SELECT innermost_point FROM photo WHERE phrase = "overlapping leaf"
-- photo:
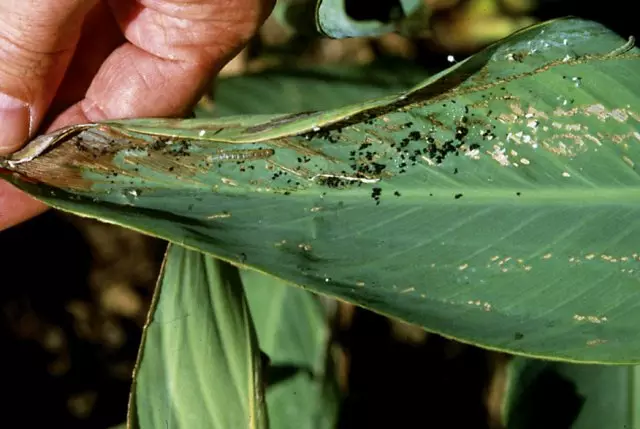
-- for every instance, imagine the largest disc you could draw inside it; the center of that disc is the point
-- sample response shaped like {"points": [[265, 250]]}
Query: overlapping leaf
{"points": [[571, 396], [199, 365], [292, 329], [497, 202]]}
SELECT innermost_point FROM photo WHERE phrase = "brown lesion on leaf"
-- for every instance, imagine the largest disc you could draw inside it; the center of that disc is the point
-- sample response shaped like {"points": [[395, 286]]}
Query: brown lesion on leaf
{"points": [[622, 138], [62, 166], [70, 163], [279, 121], [298, 145], [566, 144]]}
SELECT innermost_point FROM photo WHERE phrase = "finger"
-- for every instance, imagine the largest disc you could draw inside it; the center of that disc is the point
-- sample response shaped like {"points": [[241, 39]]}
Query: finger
{"points": [[100, 36], [37, 40], [174, 49]]}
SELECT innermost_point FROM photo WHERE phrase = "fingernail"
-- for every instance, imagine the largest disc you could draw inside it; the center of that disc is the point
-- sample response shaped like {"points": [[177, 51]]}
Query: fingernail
{"points": [[14, 123]]}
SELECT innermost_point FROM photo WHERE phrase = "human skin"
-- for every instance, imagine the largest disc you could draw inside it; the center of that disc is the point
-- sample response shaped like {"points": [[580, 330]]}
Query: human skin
{"points": [[64, 62]]}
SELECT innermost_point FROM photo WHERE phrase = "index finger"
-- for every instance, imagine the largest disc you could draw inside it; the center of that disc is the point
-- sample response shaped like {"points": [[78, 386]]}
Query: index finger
{"points": [[174, 49]]}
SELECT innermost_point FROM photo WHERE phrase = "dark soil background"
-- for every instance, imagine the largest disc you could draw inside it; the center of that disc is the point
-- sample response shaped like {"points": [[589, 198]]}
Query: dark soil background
{"points": [[74, 292]]}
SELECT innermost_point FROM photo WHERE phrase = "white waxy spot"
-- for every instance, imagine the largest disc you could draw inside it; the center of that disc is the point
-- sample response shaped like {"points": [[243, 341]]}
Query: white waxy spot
{"points": [[567, 58], [473, 154], [595, 108], [202, 133], [565, 174], [451, 59], [619, 115], [499, 155], [316, 128], [524, 161], [229, 182]]}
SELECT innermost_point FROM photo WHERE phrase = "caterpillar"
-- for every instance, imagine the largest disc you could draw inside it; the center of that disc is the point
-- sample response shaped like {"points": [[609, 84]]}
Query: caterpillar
{"points": [[241, 155]]}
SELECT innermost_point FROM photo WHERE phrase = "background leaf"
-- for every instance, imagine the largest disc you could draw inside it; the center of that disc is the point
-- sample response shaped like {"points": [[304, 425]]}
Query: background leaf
{"points": [[570, 396], [291, 324], [303, 402], [293, 330], [340, 19], [199, 364], [319, 88], [495, 202]]}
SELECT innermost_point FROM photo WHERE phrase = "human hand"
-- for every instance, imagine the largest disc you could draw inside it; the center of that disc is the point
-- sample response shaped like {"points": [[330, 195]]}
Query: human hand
{"points": [[64, 62]]}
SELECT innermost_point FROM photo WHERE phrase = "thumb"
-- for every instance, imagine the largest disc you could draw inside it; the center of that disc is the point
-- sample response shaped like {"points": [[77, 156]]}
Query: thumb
{"points": [[37, 41]]}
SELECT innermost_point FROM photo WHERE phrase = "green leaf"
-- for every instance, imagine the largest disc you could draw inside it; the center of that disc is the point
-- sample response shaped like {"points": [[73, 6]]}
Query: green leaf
{"points": [[293, 330], [334, 18], [303, 402], [199, 363], [300, 90], [496, 202], [291, 323], [560, 395], [358, 18]]}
